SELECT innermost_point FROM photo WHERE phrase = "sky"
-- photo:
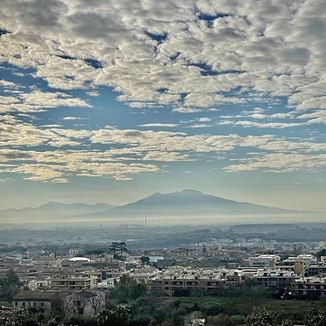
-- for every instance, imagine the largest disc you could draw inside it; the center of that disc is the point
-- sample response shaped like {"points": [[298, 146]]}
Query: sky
{"points": [[114, 100]]}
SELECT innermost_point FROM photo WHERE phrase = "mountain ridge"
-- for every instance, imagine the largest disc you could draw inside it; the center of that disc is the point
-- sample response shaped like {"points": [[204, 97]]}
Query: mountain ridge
{"points": [[187, 203]]}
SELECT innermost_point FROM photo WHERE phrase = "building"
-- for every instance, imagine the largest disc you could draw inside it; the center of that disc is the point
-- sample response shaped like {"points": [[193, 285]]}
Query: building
{"points": [[36, 299], [275, 278], [73, 282], [264, 261], [314, 270], [178, 280], [83, 303], [312, 288], [306, 259]]}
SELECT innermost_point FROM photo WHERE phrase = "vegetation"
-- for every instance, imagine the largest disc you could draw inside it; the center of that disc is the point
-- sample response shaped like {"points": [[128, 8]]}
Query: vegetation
{"points": [[117, 249], [132, 304], [9, 286]]}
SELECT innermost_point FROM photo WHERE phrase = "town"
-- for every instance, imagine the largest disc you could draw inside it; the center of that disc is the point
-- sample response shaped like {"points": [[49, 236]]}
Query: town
{"points": [[82, 280]]}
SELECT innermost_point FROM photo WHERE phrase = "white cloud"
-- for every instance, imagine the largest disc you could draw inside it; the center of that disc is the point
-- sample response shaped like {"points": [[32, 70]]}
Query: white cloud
{"points": [[279, 162], [7, 84], [268, 48], [74, 118], [131, 151], [93, 93], [168, 125], [204, 119], [163, 55], [250, 124]]}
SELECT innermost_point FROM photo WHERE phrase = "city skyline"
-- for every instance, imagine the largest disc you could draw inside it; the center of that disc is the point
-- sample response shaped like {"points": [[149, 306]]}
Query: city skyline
{"points": [[115, 101]]}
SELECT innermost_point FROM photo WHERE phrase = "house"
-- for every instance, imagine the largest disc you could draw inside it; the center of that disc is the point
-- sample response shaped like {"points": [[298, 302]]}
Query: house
{"points": [[36, 299], [83, 303]]}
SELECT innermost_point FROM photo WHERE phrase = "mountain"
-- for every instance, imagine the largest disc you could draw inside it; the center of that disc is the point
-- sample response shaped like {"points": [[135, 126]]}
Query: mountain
{"points": [[52, 210], [177, 206], [188, 203]]}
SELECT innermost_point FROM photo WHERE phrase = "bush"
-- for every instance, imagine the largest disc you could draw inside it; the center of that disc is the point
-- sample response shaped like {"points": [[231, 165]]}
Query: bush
{"points": [[214, 310]]}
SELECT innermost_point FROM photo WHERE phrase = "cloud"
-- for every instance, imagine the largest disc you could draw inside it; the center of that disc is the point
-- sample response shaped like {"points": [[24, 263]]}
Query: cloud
{"points": [[204, 119], [38, 101], [250, 124], [93, 93], [195, 126], [8, 84], [129, 151], [168, 125], [246, 65], [171, 53], [279, 163], [74, 118]]}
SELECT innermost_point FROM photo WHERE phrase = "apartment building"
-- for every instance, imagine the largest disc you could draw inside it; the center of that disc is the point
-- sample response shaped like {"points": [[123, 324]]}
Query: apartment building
{"points": [[275, 278], [175, 280], [73, 282], [313, 288]]}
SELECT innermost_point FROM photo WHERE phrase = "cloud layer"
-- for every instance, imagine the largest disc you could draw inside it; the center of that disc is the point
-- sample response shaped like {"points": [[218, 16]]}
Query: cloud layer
{"points": [[250, 65], [188, 54]]}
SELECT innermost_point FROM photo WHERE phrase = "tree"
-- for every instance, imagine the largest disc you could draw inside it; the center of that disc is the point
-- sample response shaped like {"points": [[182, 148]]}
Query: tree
{"points": [[143, 320], [320, 253], [9, 286], [117, 249], [127, 289], [144, 260], [122, 247], [267, 318], [113, 249], [40, 318], [117, 316], [16, 318], [315, 318], [97, 302]]}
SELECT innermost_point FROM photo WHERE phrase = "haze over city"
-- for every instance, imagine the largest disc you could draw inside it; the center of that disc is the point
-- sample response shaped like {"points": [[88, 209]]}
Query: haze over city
{"points": [[115, 101]]}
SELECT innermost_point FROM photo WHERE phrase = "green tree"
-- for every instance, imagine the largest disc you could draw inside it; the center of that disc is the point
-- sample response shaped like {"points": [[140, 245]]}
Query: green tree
{"points": [[144, 260], [9, 286], [117, 316], [315, 318], [40, 318], [16, 318], [320, 253], [122, 247], [113, 249], [143, 320], [128, 289], [267, 318], [117, 249]]}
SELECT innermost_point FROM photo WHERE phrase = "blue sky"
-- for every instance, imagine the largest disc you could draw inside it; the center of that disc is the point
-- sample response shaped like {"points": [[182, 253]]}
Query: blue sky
{"points": [[112, 101]]}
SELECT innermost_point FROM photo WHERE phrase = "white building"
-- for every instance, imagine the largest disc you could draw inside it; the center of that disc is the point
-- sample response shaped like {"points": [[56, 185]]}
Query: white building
{"points": [[263, 261]]}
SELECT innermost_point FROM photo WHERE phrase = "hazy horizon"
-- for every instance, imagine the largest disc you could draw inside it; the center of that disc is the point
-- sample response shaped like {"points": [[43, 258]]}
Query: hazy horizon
{"points": [[188, 207], [113, 102]]}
